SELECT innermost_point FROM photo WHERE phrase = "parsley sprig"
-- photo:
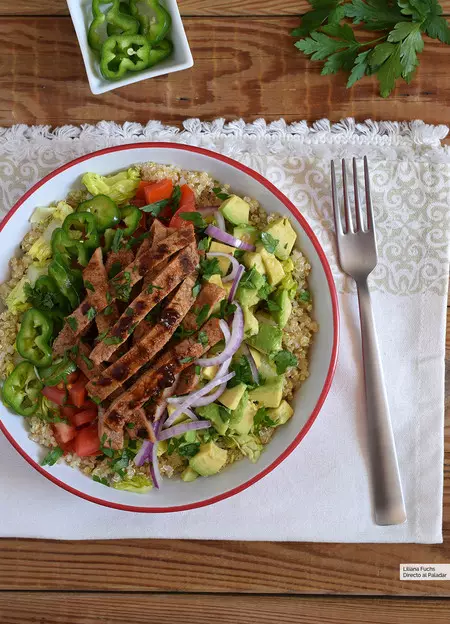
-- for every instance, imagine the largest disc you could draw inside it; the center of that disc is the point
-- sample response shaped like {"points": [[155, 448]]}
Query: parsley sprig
{"points": [[392, 54]]}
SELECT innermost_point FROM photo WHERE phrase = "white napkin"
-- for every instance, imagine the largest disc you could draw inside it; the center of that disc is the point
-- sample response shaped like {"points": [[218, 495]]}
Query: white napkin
{"points": [[321, 492]]}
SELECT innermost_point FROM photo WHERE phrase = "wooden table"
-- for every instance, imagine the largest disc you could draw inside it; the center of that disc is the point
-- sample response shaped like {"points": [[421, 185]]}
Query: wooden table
{"points": [[245, 65]]}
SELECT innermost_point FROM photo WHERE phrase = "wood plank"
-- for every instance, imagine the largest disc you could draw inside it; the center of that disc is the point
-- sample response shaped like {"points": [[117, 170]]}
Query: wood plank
{"points": [[245, 67], [46, 608], [218, 567], [187, 7]]}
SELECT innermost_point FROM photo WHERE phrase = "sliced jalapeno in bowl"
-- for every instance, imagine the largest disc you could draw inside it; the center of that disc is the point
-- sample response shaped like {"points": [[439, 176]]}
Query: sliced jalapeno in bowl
{"points": [[69, 281], [131, 216], [104, 210], [70, 249], [58, 372], [22, 389], [81, 227]]}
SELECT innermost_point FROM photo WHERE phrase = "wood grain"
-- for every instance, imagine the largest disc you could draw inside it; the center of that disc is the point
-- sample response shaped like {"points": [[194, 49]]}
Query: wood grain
{"points": [[220, 567], [245, 67], [187, 7], [95, 608]]}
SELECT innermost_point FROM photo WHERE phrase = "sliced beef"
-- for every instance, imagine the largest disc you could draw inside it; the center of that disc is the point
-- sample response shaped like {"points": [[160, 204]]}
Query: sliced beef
{"points": [[210, 295], [151, 384], [150, 344], [188, 381], [164, 283]]}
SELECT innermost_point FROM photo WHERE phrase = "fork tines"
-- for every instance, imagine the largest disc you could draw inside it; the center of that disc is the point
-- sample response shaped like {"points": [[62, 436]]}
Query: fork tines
{"points": [[357, 224]]}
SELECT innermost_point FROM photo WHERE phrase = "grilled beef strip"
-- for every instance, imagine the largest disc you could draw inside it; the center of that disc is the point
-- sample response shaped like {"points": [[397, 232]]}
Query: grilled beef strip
{"points": [[182, 265], [134, 272], [188, 381], [162, 375], [209, 295], [150, 344]]}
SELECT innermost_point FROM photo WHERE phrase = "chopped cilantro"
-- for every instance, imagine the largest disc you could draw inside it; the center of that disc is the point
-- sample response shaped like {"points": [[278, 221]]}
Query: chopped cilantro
{"points": [[181, 333], [203, 338], [175, 198], [265, 290], [155, 208], [108, 296], [220, 193], [129, 312], [112, 340], [186, 360], [243, 373], [239, 254], [88, 285], [101, 480], [130, 425], [262, 419], [89, 363], [52, 457], [116, 242], [188, 450], [74, 350], [224, 413], [202, 314], [72, 323], [225, 309], [284, 360], [96, 400], [304, 295], [90, 315], [196, 290], [152, 287], [204, 243], [102, 336], [269, 242], [118, 465], [108, 310], [209, 267], [197, 370], [195, 218], [122, 286], [106, 450], [135, 240]]}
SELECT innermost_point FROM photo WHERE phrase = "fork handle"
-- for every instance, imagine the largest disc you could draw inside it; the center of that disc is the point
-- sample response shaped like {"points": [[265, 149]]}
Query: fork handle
{"points": [[388, 497]]}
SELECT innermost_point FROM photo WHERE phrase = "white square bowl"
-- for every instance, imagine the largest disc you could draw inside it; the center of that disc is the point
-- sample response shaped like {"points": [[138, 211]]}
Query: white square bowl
{"points": [[181, 57]]}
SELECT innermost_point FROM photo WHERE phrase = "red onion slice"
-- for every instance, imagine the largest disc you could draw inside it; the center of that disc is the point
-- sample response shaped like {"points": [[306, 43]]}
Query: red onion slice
{"points": [[228, 239], [237, 336], [234, 262], [191, 398], [220, 221], [183, 428], [144, 453], [154, 467], [237, 279], [253, 367], [210, 398]]}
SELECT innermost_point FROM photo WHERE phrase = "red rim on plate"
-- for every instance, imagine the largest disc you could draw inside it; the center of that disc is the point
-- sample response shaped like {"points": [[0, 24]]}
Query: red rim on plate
{"points": [[332, 289]]}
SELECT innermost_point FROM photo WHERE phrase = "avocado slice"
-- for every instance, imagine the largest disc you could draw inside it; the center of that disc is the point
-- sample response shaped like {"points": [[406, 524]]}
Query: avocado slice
{"points": [[282, 314], [266, 369], [254, 259], [224, 263], [212, 412], [251, 325], [246, 233], [231, 397], [209, 372], [268, 339], [274, 270], [281, 414], [216, 279], [270, 394], [242, 417], [235, 210], [247, 296], [209, 460], [284, 233], [189, 475], [181, 417]]}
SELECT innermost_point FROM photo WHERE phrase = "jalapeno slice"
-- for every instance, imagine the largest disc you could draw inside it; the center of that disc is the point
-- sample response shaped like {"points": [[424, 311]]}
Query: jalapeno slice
{"points": [[33, 339], [104, 210], [22, 390]]}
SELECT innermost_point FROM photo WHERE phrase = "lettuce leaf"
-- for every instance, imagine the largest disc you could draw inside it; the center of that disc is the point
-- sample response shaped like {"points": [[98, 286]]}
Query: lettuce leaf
{"points": [[119, 187]]}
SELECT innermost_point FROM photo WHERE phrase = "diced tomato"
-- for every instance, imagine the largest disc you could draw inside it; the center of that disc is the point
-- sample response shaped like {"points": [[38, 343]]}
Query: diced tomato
{"points": [[64, 433], [55, 394], [87, 442], [88, 404], [67, 411], [158, 191], [83, 417], [77, 391], [72, 377], [187, 204], [140, 193]]}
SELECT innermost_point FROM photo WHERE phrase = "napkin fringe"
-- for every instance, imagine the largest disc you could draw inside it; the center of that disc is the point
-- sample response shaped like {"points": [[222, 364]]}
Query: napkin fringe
{"points": [[387, 140]]}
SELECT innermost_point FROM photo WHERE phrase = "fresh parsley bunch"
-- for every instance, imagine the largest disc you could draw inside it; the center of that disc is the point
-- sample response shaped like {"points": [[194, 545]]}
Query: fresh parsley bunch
{"points": [[398, 25]]}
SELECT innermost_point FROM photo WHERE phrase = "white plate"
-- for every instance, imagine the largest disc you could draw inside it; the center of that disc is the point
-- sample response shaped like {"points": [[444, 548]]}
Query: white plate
{"points": [[176, 495]]}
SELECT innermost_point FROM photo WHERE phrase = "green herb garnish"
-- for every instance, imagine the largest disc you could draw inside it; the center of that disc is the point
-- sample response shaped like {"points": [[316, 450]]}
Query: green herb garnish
{"points": [[209, 267], [226, 309], [52, 457], [116, 242], [72, 323], [391, 54], [175, 198], [112, 340], [204, 243], [88, 285], [196, 289], [203, 338], [284, 360], [115, 269], [195, 218], [101, 480], [262, 419], [90, 314], [89, 363], [268, 241], [155, 208], [107, 311], [152, 287], [202, 314], [186, 360], [122, 286], [220, 193], [304, 295]]}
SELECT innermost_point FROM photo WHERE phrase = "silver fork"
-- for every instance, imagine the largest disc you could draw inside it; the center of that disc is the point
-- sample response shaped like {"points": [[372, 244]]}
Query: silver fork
{"points": [[358, 257]]}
